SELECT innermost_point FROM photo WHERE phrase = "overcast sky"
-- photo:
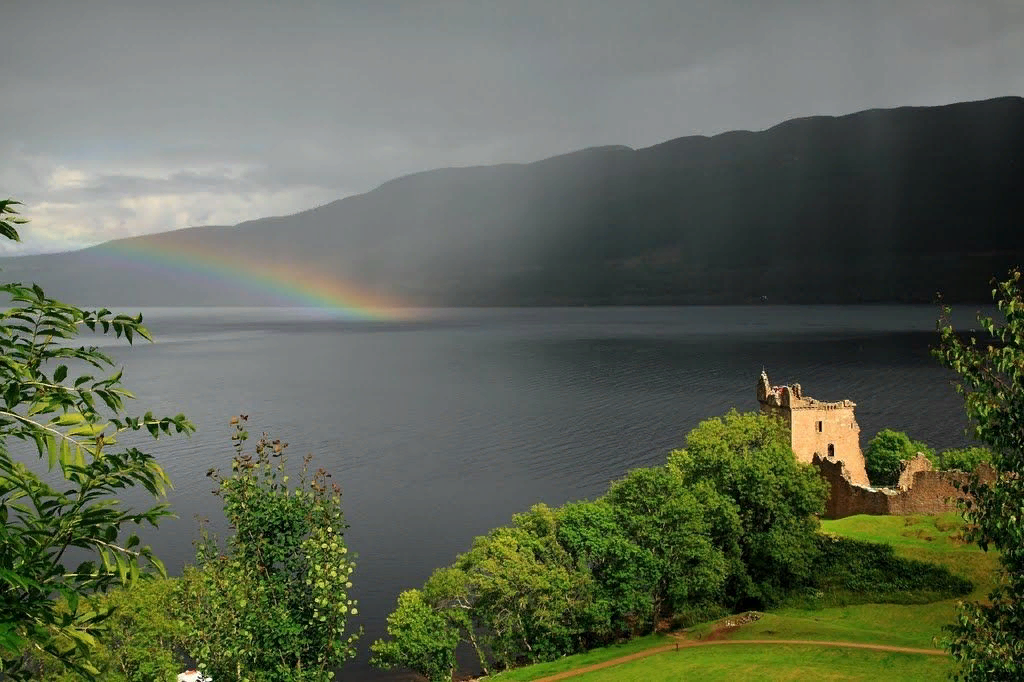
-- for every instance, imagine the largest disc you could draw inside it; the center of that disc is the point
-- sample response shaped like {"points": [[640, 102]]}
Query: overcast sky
{"points": [[121, 118]]}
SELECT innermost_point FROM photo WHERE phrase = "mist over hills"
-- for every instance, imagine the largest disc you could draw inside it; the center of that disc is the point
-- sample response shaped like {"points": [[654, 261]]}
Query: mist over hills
{"points": [[877, 206]]}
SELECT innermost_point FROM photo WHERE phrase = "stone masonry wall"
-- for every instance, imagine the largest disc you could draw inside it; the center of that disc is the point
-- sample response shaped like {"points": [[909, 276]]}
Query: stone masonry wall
{"points": [[832, 433], [816, 427], [909, 468], [929, 492]]}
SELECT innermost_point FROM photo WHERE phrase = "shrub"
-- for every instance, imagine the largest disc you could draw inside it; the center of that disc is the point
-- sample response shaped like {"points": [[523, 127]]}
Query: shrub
{"points": [[273, 605], [886, 451], [965, 459], [871, 572]]}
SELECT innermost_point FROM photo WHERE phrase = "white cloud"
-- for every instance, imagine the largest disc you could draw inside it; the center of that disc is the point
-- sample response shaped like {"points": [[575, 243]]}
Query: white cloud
{"points": [[56, 226], [67, 178]]}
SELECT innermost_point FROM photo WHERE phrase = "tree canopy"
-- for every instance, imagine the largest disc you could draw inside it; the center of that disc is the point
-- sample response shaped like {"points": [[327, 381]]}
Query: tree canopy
{"points": [[729, 521], [273, 605], [747, 459], [885, 453], [988, 638]]}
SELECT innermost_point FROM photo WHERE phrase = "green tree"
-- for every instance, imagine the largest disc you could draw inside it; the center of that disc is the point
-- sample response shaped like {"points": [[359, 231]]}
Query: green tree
{"points": [[450, 590], [664, 517], [747, 459], [885, 453], [273, 606], [965, 459], [526, 591], [47, 607], [987, 640], [139, 637], [422, 639], [626, 575]]}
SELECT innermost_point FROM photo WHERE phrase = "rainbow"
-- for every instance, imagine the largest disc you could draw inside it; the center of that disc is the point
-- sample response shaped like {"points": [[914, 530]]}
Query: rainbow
{"points": [[285, 283]]}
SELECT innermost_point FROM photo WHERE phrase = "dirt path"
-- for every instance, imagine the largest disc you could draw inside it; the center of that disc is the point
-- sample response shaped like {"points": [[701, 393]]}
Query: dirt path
{"points": [[688, 643]]}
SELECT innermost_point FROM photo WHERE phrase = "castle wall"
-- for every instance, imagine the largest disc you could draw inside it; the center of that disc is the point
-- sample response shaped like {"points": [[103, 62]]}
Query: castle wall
{"points": [[929, 492], [909, 468], [845, 498], [838, 428], [816, 427]]}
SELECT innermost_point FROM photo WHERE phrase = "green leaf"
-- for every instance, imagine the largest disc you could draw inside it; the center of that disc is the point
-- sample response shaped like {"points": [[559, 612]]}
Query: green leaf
{"points": [[60, 374], [89, 430], [12, 394], [51, 449]]}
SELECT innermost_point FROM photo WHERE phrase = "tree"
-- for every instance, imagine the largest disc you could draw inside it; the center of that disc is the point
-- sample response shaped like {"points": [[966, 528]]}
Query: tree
{"points": [[422, 639], [987, 640], [273, 606], [526, 591], [965, 459], [747, 459], [139, 637], [664, 517], [885, 453], [47, 607], [626, 575]]}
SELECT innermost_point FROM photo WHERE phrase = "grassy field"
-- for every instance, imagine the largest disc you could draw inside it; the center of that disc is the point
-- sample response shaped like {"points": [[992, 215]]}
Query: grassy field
{"points": [[773, 662], [934, 539], [533, 672]]}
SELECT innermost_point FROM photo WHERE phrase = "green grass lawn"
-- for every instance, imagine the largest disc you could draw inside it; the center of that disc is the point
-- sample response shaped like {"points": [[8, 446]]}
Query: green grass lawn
{"points": [[532, 672], [934, 539], [773, 662]]}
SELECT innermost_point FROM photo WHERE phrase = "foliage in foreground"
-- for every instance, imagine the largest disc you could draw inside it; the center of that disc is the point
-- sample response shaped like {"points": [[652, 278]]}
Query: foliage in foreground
{"points": [[987, 640], [73, 422], [139, 639], [272, 606], [730, 521]]}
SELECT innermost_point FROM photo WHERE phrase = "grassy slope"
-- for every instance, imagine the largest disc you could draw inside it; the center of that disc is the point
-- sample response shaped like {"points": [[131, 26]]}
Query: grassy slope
{"points": [[927, 538], [532, 672], [773, 662]]}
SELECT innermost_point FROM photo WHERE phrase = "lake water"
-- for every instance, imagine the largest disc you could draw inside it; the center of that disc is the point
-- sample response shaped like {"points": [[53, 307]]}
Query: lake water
{"points": [[441, 428]]}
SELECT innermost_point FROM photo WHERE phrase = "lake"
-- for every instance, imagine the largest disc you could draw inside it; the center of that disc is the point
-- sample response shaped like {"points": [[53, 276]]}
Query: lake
{"points": [[440, 428]]}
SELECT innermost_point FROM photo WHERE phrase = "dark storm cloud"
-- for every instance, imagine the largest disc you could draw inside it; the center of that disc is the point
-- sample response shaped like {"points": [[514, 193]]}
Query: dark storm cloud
{"points": [[145, 116]]}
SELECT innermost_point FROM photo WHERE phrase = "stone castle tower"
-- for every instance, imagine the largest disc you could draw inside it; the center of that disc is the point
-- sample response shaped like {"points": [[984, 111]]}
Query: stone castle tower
{"points": [[828, 430]]}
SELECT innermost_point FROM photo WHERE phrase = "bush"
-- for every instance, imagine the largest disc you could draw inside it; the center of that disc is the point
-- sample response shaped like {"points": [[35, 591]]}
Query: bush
{"points": [[139, 637], [859, 572], [965, 459], [273, 606], [421, 639], [886, 451], [694, 614]]}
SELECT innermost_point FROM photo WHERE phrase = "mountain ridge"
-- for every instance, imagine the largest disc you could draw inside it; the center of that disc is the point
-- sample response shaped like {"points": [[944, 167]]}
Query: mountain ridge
{"points": [[874, 206]]}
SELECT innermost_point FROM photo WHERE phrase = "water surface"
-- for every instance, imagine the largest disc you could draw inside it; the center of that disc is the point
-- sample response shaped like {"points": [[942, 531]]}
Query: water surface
{"points": [[442, 427]]}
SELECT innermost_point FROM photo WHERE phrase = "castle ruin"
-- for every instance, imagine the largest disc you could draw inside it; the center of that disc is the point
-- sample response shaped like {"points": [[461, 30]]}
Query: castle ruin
{"points": [[827, 436], [828, 430]]}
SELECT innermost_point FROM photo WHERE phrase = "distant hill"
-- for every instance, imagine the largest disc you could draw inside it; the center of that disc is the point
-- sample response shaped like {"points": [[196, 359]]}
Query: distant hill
{"points": [[882, 205]]}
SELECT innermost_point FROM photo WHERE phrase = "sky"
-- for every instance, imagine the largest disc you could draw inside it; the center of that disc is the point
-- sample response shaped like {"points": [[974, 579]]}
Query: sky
{"points": [[126, 118]]}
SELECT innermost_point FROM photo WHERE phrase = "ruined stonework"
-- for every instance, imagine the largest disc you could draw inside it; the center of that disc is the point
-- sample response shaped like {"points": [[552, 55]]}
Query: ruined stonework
{"points": [[827, 436], [828, 430], [921, 490]]}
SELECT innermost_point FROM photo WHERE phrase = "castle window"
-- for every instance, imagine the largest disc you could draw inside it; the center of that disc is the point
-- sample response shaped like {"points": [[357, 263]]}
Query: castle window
{"points": [[819, 426], [831, 450]]}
